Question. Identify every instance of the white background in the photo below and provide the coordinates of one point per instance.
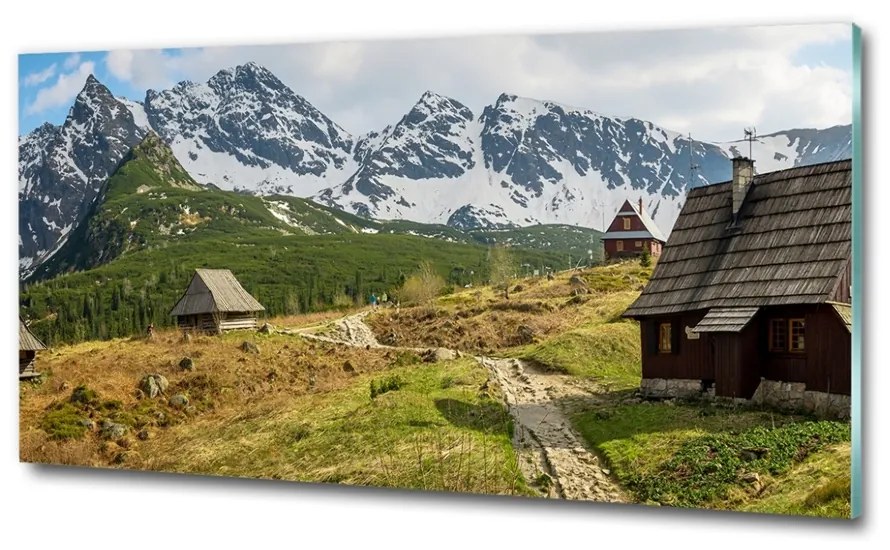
(50, 507)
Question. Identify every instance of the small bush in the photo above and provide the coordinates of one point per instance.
(423, 287)
(384, 385)
(65, 421)
(82, 395)
(645, 258)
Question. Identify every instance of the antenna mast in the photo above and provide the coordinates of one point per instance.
(750, 136)
(692, 166)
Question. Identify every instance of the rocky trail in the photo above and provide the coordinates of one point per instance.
(552, 455)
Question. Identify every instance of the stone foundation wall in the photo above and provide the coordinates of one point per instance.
(784, 395)
(670, 387)
(795, 396)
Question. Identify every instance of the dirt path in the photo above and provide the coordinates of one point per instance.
(543, 436)
(551, 453)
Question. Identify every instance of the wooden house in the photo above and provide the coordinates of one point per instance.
(631, 232)
(751, 296)
(29, 345)
(214, 302)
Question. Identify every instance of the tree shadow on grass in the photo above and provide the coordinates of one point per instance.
(488, 416)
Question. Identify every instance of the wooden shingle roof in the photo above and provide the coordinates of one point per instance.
(726, 319)
(27, 340)
(213, 291)
(792, 244)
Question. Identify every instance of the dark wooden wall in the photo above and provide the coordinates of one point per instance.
(737, 361)
(827, 363)
(689, 358)
(841, 292)
(630, 249)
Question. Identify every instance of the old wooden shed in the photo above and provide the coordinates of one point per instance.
(214, 302)
(29, 345)
(752, 292)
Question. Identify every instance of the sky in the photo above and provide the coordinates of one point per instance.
(710, 82)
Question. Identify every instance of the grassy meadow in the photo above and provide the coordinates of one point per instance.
(304, 410)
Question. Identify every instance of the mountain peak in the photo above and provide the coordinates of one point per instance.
(92, 88)
(433, 104)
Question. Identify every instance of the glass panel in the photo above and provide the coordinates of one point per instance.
(664, 338)
(796, 328)
(778, 335)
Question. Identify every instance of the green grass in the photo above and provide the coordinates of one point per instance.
(699, 455)
(437, 432)
(607, 352)
(64, 421)
(819, 486)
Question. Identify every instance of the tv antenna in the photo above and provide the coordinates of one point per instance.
(750, 136)
(692, 166)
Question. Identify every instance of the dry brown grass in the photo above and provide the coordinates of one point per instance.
(226, 381)
(481, 321)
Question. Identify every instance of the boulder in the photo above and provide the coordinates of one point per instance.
(347, 367)
(179, 401)
(266, 329)
(113, 430)
(187, 364)
(249, 347)
(153, 385)
(88, 424)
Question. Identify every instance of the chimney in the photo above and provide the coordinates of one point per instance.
(742, 177)
(641, 205)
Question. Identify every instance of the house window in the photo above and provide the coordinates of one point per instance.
(638, 244)
(796, 329)
(787, 335)
(619, 245)
(664, 338)
(626, 224)
(778, 335)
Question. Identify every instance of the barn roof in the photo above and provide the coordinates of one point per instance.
(792, 243)
(27, 340)
(213, 291)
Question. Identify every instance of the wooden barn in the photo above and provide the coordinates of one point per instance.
(751, 296)
(631, 232)
(214, 302)
(29, 345)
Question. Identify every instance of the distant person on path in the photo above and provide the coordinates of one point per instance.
(373, 301)
(384, 298)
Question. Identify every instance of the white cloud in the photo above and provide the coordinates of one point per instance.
(62, 92)
(71, 61)
(39, 77)
(711, 82)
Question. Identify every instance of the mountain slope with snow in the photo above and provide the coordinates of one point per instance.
(61, 169)
(520, 162)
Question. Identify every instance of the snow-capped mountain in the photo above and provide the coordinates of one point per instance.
(519, 162)
(62, 168)
(244, 129)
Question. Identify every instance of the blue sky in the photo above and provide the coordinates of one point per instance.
(711, 82)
